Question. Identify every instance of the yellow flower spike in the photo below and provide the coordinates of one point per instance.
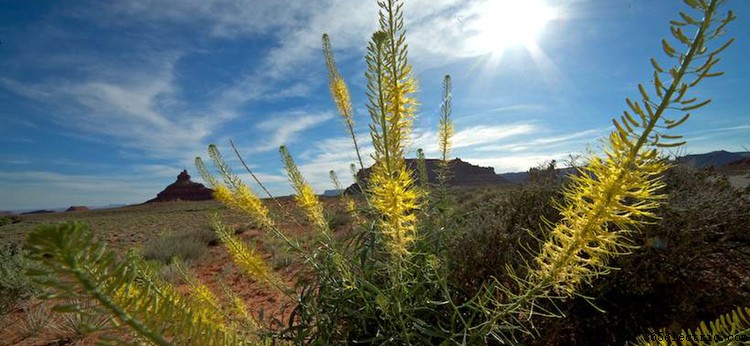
(235, 194)
(340, 94)
(392, 107)
(249, 202)
(246, 258)
(244, 200)
(198, 289)
(306, 198)
(396, 199)
(580, 246)
(445, 127)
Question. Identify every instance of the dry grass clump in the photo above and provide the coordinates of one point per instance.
(187, 247)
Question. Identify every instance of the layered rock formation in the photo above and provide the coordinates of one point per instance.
(462, 174)
(184, 190)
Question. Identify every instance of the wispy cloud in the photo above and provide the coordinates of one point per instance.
(544, 143)
(135, 107)
(721, 129)
(287, 129)
(472, 136)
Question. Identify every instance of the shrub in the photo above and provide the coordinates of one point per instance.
(338, 219)
(35, 319)
(9, 220)
(500, 228)
(76, 327)
(390, 282)
(15, 286)
(187, 247)
(659, 284)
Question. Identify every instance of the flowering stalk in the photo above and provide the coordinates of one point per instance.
(340, 94)
(304, 194)
(391, 107)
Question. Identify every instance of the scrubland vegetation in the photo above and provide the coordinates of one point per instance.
(655, 246)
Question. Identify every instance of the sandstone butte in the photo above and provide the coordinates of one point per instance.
(183, 190)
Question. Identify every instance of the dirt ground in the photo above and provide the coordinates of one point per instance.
(132, 227)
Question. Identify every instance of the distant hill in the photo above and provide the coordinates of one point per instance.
(716, 159)
(40, 211)
(467, 174)
(720, 159)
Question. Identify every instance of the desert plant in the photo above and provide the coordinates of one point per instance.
(187, 247)
(74, 327)
(15, 286)
(390, 281)
(661, 284)
(9, 220)
(35, 319)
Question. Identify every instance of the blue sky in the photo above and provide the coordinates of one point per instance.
(105, 102)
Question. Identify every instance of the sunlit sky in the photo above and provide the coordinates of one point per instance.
(105, 102)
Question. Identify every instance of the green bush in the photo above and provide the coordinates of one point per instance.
(15, 286)
(500, 227)
(8, 220)
(187, 247)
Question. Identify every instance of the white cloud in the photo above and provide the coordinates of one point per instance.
(287, 129)
(544, 143)
(516, 163)
(471, 136)
(134, 106)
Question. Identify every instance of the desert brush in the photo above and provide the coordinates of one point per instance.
(387, 283)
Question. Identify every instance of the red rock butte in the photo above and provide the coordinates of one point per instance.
(184, 190)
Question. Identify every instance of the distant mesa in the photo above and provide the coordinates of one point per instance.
(77, 208)
(184, 190)
(462, 174)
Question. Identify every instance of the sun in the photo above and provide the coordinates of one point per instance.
(501, 24)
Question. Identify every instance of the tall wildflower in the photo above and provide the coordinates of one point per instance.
(446, 131)
(247, 259)
(304, 194)
(235, 194)
(424, 178)
(391, 106)
(340, 94)
(445, 126)
(612, 196)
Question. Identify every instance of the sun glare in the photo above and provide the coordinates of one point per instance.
(501, 24)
